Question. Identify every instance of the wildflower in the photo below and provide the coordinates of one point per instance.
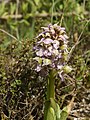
(51, 50)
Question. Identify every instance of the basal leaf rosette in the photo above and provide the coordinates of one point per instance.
(51, 50)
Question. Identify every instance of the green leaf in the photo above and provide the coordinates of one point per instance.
(56, 108)
(51, 114)
(24, 7)
(12, 8)
(37, 2)
(58, 111)
(64, 114)
(33, 6)
(2, 10)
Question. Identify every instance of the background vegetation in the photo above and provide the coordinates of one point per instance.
(22, 90)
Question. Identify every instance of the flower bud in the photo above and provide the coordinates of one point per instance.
(67, 69)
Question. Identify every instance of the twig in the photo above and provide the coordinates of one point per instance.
(69, 107)
(20, 16)
(8, 34)
(17, 8)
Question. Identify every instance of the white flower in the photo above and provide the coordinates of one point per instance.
(59, 67)
(39, 53)
(38, 68)
(56, 44)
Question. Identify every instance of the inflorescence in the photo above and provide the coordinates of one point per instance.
(51, 49)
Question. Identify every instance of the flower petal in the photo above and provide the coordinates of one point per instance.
(62, 38)
(48, 41)
(38, 68)
(56, 44)
(39, 53)
(65, 36)
(59, 67)
(55, 52)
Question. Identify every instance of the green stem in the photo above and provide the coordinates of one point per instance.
(50, 86)
(50, 92)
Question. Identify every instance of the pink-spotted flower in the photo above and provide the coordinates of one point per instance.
(51, 50)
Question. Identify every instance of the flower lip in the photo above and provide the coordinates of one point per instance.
(62, 37)
(48, 41)
(59, 67)
(39, 53)
(65, 36)
(38, 68)
(47, 53)
(62, 28)
(56, 44)
(45, 28)
(41, 34)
